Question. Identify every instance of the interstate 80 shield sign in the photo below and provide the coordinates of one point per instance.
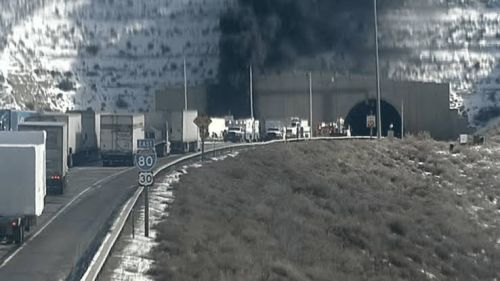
(145, 160)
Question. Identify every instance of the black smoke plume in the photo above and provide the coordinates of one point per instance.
(274, 34)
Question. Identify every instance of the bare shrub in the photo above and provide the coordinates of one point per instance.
(329, 211)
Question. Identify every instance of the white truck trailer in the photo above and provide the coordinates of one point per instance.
(119, 135)
(56, 148)
(22, 188)
(90, 131)
(157, 128)
(216, 128)
(73, 123)
(184, 135)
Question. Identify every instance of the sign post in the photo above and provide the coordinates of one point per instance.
(203, 122)
(370, 123)
(146, 211)
(145, 160)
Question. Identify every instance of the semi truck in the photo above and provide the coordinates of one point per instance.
(333, 129)
(235, 133)
(10, 119)
(297, 128)
(119, 135)
(56, 150)
(243, 130)
(273, 129)
(22, 188)
(90, 133)
(73, 123)
(184, 134)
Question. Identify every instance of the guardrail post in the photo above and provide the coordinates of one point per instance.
(133, 222)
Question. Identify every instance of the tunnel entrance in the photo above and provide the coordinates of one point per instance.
(356, 118)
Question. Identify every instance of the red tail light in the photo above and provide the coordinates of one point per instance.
(55, 177)
(14, 223)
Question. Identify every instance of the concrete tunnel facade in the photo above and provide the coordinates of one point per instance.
(426, 106)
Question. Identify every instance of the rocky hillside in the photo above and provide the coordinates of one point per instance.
(106, 54)
(435, 41)
(112, 55)
(448, 43)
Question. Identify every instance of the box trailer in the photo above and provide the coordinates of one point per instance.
(56, 150)
(119, 135)
(217, 128)
(22, 188)
(90, 133)
(73, 123)
(184, 134)
(10, 119)
(156, 128)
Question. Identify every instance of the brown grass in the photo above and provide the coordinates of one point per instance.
(332, 211)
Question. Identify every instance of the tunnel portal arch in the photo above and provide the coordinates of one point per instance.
(356, 118)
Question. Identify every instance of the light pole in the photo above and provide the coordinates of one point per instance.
(251, 103)
(377, 75)
(251, 92)
(402, 118)
(310, 105)
(185, 86)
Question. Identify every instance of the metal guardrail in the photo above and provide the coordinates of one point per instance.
(109, 241)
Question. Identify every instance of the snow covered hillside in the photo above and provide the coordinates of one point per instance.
(444, 42)
(113, 54)
(106, 54)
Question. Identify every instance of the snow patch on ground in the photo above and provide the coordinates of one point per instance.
(135, 260)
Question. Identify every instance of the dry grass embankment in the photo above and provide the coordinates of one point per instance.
(354, 210)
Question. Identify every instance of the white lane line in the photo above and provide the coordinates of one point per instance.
(9, 258)
(109, 241)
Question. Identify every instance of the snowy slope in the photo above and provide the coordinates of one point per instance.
(106, 54)
(443, 42)
(113, 54)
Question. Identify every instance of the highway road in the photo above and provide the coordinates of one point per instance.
(70, 225)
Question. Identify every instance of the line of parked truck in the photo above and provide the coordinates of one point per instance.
(80, 137)
(38, 148)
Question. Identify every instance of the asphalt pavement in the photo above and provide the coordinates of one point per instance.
(70, 225)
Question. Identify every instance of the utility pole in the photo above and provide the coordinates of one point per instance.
(310, 105)
(185, 86)
(379, 115)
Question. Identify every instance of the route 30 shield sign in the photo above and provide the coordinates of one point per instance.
(146, 178)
